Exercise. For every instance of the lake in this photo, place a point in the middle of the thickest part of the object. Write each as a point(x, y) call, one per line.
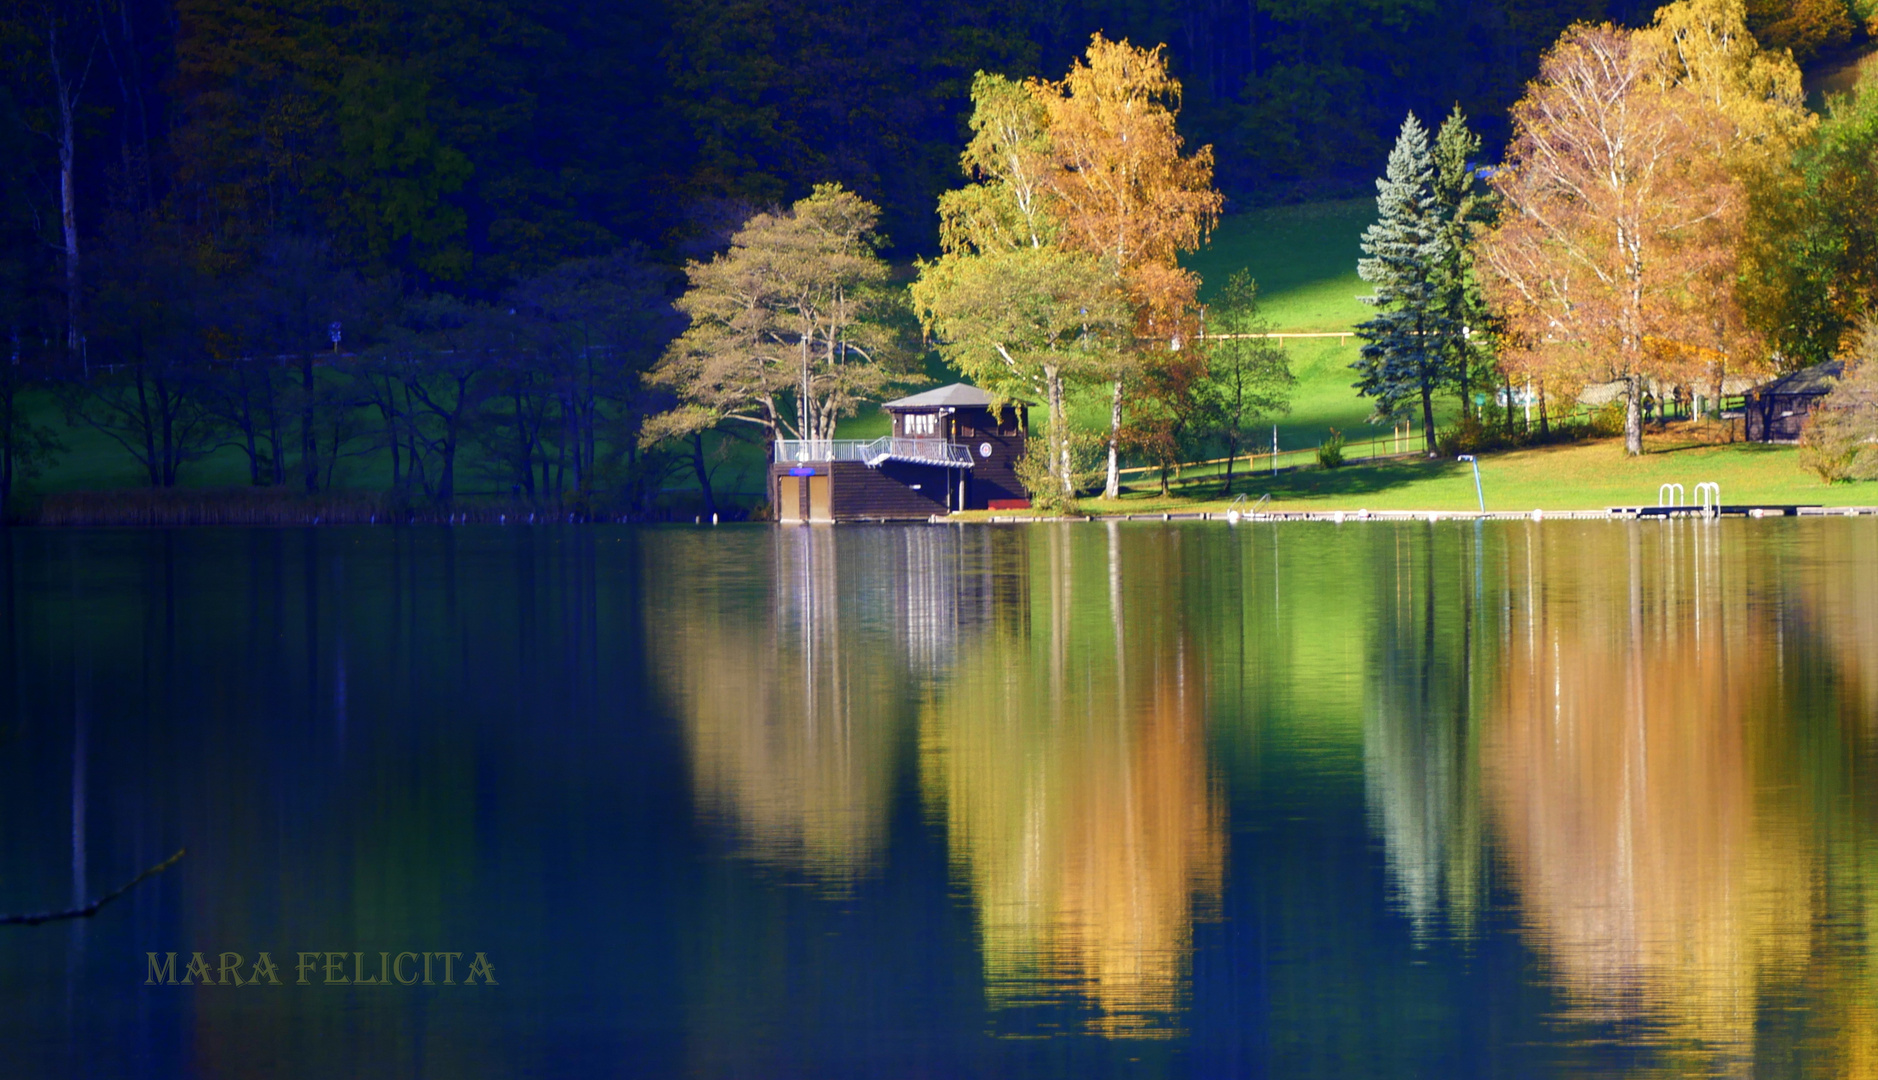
point(1291, 800)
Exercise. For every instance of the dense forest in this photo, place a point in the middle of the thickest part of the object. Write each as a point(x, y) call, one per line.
point(191, 179)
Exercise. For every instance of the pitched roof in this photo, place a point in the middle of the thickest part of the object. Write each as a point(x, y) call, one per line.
point(958, 395)
point(1817, 379)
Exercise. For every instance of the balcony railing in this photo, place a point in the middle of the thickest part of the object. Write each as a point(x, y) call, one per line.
point(872, 452)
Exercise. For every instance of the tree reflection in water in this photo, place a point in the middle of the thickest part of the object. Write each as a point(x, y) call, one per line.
point(1622, 773)
point(1068, 762)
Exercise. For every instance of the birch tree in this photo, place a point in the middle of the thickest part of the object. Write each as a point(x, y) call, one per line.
point(1619, 218)
point(51, 45)
point(1025, 322)
point(1007, 303)
point(1126, 194)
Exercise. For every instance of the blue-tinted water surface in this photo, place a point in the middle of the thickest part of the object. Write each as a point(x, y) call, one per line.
point(1292, 800)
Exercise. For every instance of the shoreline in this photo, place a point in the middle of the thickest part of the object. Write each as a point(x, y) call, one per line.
point(251, 508)
point(1339, 517)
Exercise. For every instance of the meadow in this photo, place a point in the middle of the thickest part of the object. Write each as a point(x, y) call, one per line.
point(1304, 258)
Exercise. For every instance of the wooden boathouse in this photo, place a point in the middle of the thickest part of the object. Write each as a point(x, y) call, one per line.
point(951, 449)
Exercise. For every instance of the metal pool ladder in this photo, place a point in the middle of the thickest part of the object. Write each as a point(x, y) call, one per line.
point(1708, 497)
point(1234, 514)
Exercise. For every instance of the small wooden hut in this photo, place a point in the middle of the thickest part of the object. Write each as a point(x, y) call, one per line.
point(1776, 410)
point(950, 449)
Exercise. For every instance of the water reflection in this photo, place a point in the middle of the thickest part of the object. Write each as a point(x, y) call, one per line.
point(1068, 761)
point(1506, 800)
point(1623, 775)
point(1419, 739)
point(792, 736)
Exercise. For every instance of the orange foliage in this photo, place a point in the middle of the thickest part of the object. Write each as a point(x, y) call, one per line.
point(1621, 772)
point(1123, 190)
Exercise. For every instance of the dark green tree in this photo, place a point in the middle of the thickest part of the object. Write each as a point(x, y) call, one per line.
point(1248, 378)
point(1405, 346)
point(1464, 204)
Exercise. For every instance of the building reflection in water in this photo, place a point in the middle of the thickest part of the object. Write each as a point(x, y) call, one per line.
point(1066, 755)
point(798, 714)
point(1623, 774)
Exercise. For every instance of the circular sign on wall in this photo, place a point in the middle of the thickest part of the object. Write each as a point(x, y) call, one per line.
point(984, 449)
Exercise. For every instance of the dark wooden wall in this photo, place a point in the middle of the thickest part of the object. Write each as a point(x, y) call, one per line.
point(862, 493)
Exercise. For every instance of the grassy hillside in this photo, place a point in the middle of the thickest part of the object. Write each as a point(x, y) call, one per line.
point(1304, 258)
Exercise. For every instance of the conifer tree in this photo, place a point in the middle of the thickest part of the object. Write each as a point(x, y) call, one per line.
point(1406, 342)
point(1464, 204)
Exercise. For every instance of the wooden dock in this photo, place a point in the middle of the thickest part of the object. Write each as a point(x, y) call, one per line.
point(1614, 513)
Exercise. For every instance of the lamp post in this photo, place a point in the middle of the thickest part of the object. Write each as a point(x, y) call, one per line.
point(1469, 458)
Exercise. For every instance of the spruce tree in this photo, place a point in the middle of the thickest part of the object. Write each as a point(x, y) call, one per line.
point(1465, 204)
point(1405, 344)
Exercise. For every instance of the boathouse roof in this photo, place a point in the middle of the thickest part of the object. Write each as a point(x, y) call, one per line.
point(957, 396)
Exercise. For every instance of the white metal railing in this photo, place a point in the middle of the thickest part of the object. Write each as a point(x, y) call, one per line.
point(792, 450)
point(874, 451)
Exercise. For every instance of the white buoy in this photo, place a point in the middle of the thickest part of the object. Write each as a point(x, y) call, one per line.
point(1337, 517)
point(1232, 517)
point(1538, 515)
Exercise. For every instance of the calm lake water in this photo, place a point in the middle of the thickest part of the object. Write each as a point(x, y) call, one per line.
point(1300, 800)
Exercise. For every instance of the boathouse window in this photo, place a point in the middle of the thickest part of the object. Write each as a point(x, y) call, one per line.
point(921, 424)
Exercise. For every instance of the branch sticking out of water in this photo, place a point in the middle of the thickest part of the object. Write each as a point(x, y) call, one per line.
point(91, 909)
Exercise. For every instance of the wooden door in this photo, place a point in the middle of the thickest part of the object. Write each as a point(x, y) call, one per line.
point(821, 506)
point(789, 500)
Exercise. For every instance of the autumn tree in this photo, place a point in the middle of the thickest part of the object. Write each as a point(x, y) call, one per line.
point(1126, 195)
point(1806, 27)
point(1811, 270)
point(1006, 303)
point(1619, 222)
point(791, 329)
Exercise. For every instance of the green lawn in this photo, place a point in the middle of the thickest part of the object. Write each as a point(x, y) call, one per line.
point(1580, 476)
point(1304, 258)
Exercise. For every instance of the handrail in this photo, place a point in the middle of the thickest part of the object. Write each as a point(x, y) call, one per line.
point(872, 452)
point(1702, 493)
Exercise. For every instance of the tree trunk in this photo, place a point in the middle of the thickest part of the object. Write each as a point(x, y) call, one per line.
point(704, 474)
point(68, 208)
point(1428, 417)
point(1059, 431)
point(1113, 489)
point(1633, 415)
point(309, 436)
